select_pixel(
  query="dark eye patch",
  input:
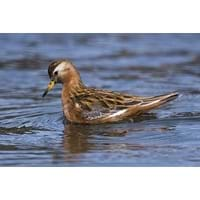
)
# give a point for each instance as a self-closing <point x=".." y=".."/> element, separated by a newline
<point x="52" y="67"/>
<point x="56" y="73"/>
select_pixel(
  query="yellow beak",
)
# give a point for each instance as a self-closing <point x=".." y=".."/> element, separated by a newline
<point x="49" y="88"/>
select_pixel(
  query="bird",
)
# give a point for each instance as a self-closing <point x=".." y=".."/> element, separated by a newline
<point x="88" y="105"/>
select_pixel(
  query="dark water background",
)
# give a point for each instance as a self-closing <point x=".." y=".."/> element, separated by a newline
<point x="31" y="128"/>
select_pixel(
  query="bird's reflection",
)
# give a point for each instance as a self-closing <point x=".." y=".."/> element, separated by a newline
<point x="77" y="138"/>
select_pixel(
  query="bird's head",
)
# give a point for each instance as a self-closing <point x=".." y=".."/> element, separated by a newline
<point x="61" y="71"/>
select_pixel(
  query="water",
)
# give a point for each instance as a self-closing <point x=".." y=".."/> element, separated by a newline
<point x="32" y="132"/>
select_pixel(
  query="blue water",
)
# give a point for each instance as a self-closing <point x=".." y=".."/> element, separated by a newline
<point x="32" y="132"/>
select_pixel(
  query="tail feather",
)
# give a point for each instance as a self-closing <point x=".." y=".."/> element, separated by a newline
<point x="167" y="97"/>
<point x="157" y="101"/>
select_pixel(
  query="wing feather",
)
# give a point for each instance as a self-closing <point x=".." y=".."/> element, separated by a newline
<point x="96" y="103"/>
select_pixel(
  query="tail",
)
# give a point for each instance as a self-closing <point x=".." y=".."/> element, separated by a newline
<point x="157" y="101"/>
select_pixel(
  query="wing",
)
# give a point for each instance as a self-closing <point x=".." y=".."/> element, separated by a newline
<point x="96" y="103"/>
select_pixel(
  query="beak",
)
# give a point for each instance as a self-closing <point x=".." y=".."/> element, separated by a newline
<point x="49" y="87"/>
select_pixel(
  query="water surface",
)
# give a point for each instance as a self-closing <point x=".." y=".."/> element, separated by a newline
<point x="32" y="132"/>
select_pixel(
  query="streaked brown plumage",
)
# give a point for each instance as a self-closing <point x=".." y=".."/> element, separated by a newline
<point x="92" y="106"/>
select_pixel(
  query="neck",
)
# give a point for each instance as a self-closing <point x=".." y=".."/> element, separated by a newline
<point x="72" y="84"/>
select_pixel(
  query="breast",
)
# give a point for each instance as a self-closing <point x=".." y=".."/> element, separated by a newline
<point x="72" y="112"/>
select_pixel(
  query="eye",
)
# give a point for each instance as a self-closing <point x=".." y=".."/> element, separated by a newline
<point x="56" y="73"/>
